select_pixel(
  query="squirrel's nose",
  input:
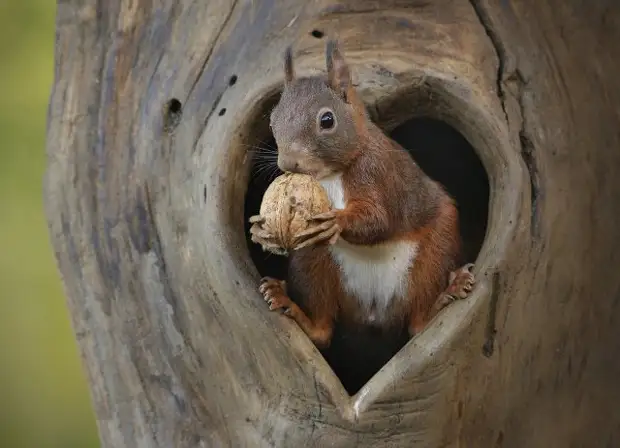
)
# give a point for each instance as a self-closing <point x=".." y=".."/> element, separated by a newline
<point x="289" y="165"/>
<point x="288" y="162"/>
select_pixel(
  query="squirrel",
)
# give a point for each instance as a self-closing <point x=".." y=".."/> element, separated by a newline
<point x="388" y="253"/>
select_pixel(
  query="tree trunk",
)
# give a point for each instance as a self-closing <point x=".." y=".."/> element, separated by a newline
<point x="154" y="106"/>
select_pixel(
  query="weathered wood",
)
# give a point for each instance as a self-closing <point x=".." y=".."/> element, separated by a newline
<point x="145" y="206"/>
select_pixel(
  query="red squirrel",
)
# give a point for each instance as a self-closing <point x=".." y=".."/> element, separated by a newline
<point x="388" y="252"/>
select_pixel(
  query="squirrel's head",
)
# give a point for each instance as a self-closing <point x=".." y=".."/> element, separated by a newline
<point x="318" y="121"/>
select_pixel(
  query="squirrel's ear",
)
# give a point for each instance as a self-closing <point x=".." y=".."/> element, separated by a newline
<point x="289" y="71"/>
<point x="338" y="75"/>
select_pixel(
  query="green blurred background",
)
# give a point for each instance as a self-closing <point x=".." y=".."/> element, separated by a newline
<point x="44" y="401"/>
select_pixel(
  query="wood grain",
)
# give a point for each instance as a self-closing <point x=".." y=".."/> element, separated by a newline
<point x="145" y="214"/>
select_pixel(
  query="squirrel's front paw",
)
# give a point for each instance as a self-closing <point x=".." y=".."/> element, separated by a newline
<point x="262" y="236"/>
<point x="326" y="228"/>
<point x="274" y="293"/>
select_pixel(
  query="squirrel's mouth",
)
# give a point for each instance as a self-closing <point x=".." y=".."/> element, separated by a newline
<point x="308" y="167"/>
<point x="293" y="170"/>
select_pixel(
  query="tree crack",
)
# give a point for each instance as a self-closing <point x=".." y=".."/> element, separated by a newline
<point x="212" y="49"/>
<point x="488" y="348"/>
<point x="516" y="78"/>
<point x="498" y="46"/>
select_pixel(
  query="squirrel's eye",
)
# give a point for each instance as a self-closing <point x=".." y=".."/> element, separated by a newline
<point x="327" y="120"/>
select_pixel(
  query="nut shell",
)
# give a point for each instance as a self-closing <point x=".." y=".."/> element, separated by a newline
<point x="287" y="204"/>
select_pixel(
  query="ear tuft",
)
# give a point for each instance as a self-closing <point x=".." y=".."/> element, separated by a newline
<point x="338" y="75"/>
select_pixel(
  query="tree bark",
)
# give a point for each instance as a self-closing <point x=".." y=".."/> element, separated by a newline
<point x="144" y="198"/>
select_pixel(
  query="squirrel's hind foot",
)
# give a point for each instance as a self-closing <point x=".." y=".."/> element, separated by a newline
<point x="460" y="285"/>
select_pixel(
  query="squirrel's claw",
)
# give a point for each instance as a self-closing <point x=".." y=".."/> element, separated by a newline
<point x="315" y="229"/>
<point x="328" y="230"/>
<point x="323" y="216"/>
<point x="265" y="243"/>
<point x="256" y="219"/>
<point x="259" y="232"/>
<point x="461" y="283"/>
<point x="274" y="293"/>
<point x="269" y="245"/>
<point x="268" y="283"/>
<point x="261" y="236"/>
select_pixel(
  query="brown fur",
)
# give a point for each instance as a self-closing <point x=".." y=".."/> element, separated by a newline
<point x="388" y="197"/>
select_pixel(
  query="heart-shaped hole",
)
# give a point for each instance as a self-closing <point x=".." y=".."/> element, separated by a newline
<point x="446" y="156"/>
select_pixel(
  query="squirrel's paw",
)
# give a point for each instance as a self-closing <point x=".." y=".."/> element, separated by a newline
<point x="460" y="284"/>
<point x="326" y="229"/>
<point x="274" y="293"/>
<point x="262" y="236"/>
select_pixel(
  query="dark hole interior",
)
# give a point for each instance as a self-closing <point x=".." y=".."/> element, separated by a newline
<point x="446" y="156"/>
<point x="174" y="106"/>
<point x="317" y="33"/>
<point x="172" y="114"/>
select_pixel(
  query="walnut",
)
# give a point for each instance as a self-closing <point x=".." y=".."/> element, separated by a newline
<point x="287" y="204"/>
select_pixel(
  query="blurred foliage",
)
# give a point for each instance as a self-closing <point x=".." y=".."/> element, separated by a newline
<point x="44" y="401"/>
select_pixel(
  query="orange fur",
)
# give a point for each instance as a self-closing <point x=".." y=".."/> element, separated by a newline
<point x="438" y="256"/>
<point x="318" y="307"/>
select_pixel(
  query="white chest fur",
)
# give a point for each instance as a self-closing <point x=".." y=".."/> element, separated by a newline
<point x="335" y="191"/>
<point x="376" y="274"/>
